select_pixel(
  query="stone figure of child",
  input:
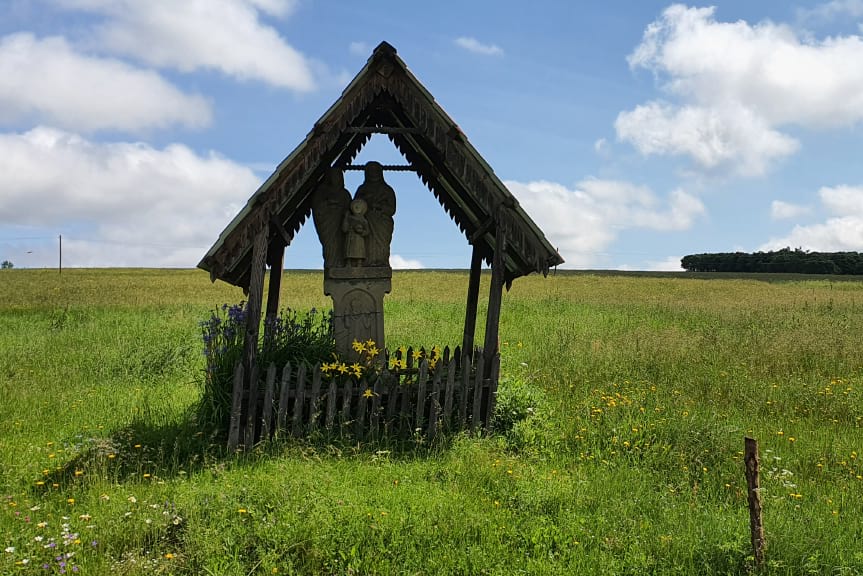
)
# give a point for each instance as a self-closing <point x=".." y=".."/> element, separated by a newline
<point x="356" y="228"/>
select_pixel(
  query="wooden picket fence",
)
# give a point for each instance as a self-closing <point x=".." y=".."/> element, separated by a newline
<point x="459" y="393"/>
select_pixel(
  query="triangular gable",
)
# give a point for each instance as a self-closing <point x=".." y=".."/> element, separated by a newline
<point x="386" y="98"/>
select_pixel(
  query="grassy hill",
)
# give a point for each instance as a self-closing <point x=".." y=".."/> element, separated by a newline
<point x="632" y="395"/>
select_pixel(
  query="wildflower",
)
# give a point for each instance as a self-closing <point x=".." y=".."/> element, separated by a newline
<point x="169" y="556"/>
<point x="242" y="511"/>
<point x="84" y="517"/>
<point x="357" y="369"/>
<point x="79" y="473"/>
<point x="368" y="393"/>
<point x="70" y="500"/>
<point x="132" y="499"/>
<point x="359" y="347"/>
<point x="372" y="351"/>
<point x="10" y="549"/>
<point x="41" y="524"/>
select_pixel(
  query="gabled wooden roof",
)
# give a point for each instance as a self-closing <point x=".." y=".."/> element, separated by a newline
<point x="386" y="98"/>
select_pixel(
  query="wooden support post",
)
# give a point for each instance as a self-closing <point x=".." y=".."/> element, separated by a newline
<point x="253" y="323"/>
<point x="472" y="299"/>
<point x="756" y="526"/>
<point x="277" y="265"/>
<point x="495" y="294"/>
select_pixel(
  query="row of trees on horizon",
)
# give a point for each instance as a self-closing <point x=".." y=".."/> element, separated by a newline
<point x="786" y="260"/>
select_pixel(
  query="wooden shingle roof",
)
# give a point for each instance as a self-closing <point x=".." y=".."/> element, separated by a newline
<point x="386" y="98"/>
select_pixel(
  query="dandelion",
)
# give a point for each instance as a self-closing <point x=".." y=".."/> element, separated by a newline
<point x="169" y="556"/>
<point x="70" y="500"/>
<point x="242" y="511"/>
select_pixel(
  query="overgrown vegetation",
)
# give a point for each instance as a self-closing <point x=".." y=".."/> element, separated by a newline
<point x="291" y="336"/>
<point x="623" y="406"/>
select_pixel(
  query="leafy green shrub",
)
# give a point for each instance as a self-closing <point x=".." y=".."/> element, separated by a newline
<point x="523" y="415"/>
<point x="291" y="336"/>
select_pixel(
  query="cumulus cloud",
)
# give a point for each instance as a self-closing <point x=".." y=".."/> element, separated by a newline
<point x="147" y="206"/>
<point x="398" y="262"/>
<point x="477" y="47"/>
<point x="47" y="80"/>
<point x="227" y="36"/>
<point x="735" y="85"/>
<point x="841" y="232"/>
<point x="780" y="210"/>
<point x="830" y="11"/>
<point x="583" y="221"/>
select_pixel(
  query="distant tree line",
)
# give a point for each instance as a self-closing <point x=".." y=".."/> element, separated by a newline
<point x="785" y="260"/>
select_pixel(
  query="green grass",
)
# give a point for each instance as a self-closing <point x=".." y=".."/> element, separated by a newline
<point x="637" y="392"/>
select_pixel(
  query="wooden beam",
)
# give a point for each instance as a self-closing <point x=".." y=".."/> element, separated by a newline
<point x="381" y="130"/>
<point x="253" y="322"/>
<point x="495" y="293"/>
<point x="472" y="299"/>
<point x="277" y="265"/>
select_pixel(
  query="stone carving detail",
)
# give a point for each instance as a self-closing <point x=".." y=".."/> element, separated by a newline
<point x="330" y="202"/>
<point x="355" y="236"/>
<point x="381" y="201"/>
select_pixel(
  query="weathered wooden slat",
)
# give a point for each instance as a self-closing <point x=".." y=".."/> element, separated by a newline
<point x="267" y="416"/>
<point x="465" y="389"/>
<point x="236" y="408"/>
<point x="375" y="417"/>
<point x="360" y="416"/>
<point x="472" y="298"/>
<point x="422" y="381"/>
<point x="347" y="392"/>
<point x="331" y="405"/>
<point x="492" y="391"/>
<point x="495" y="295"/>
<point x="404" y="421"/>
<point x="448" y="394"/>
<point x="434" y="404"/>
<point x="314" y="403"/>
<point x="299" y="396"/>
<point x="394" y="389"/>
<point x="283" y="398"/>
<point x="251" y="410"/>
<point x="479" y="362"/>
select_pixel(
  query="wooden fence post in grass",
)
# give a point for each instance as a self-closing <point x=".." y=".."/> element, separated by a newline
<point x="756" y="526"/>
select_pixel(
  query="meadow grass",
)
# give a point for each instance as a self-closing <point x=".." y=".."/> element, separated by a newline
<point x="630" y="397"/>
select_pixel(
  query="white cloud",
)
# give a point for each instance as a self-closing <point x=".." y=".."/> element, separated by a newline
<point x="359" y="49"/>
<point x="399" y="263"/>
<point x="582" y="222"/>
<point x="477" y="47"/>
<point x="226" y="35"/>
<point x="146" y="206"/>
<point x="842" y="232"/>
<point x="736" y="84"/>
<point x="670" y="264"/>
<point x="830" y="11"/>
<point x="714" y="137"/>
<point x="780" y="210"/>
<point x="47" y="80"/>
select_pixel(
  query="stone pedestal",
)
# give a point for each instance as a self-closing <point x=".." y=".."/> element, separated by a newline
<point x="358" y="305"/>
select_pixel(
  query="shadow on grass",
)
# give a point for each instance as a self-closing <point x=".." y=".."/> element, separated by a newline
<point x="151" y="451"/>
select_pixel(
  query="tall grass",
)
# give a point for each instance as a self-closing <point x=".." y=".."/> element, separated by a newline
<point x="630" y="398"/>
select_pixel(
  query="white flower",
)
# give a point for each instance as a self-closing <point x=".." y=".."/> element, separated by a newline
<point x="10" y="549"/>
<point x="39" y="538"/>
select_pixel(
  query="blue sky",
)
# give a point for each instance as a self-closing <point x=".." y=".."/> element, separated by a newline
<point x="633" y="133"/>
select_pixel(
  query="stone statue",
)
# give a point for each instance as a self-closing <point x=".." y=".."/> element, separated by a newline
<point x="330" y="202"/>
<point x="356" y="228"/>
<point x="381" y="201"/>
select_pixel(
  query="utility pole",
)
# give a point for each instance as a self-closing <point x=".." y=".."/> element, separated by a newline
<point x="61" y="254"/>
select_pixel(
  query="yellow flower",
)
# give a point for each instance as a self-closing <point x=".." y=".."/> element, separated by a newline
<point x="70" y="500"/>
<point x="79" y="472"/>
<point x="370" y="343"/>
<point x="357" y="369"/>
<point x="169" y="556"/>
<point x="372" y="351"/>
<point x="342" y="368"/>
<point x="417" y="354"/>
<point x="368" y="393"/>
<point x="242" y="511"/>
<point x="359" y="347"/>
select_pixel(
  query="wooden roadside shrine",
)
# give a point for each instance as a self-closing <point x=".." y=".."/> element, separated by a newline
<point x="384" y="98"/>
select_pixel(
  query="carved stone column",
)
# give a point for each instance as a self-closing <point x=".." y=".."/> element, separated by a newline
<point x="358" y="305"/>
